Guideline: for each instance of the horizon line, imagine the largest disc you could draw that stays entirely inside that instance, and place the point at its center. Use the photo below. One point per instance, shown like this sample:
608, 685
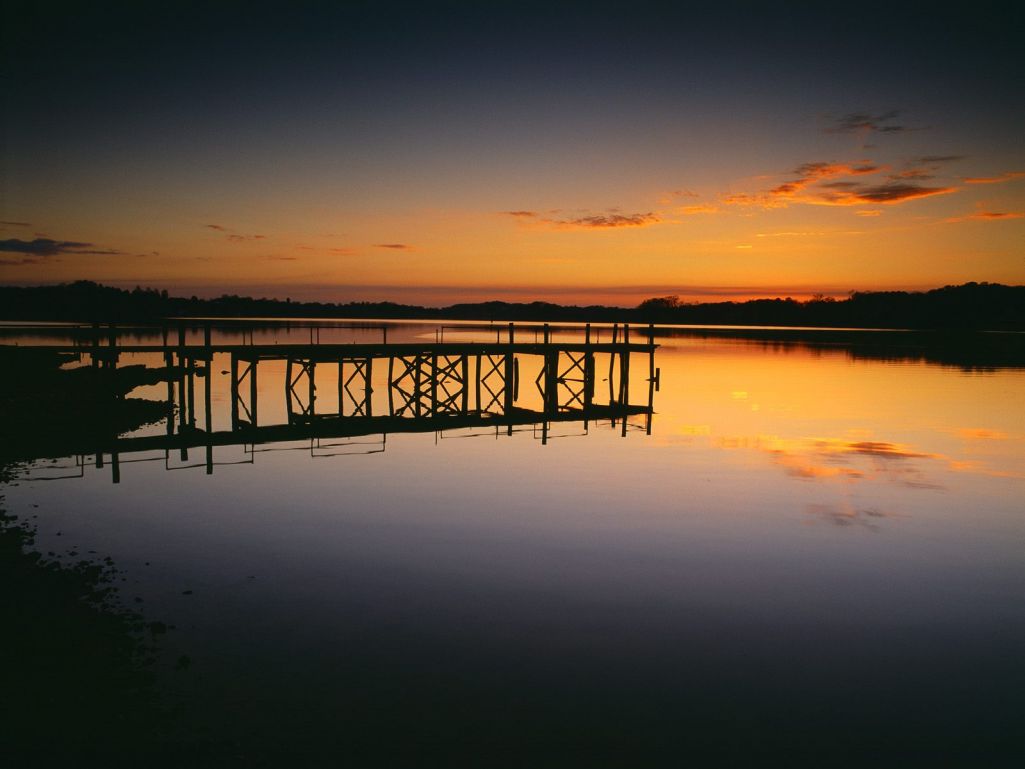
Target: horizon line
452, 295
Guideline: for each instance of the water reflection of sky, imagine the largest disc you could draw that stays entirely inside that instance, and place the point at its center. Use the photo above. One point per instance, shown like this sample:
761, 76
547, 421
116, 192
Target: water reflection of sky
799, 528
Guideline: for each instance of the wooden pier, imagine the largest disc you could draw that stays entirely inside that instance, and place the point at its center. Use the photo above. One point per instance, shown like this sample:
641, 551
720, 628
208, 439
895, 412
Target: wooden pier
431, 386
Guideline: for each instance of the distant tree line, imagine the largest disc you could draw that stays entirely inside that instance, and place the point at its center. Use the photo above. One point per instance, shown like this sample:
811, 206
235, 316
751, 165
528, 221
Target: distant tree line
989, 306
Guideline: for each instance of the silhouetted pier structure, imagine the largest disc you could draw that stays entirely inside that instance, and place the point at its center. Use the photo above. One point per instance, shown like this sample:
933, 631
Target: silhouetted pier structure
431, 386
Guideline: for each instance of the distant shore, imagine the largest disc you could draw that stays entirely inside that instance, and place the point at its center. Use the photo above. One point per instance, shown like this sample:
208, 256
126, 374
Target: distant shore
971, 306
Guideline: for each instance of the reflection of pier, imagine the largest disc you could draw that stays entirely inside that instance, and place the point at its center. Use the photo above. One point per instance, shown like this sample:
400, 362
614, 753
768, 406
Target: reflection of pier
430, 387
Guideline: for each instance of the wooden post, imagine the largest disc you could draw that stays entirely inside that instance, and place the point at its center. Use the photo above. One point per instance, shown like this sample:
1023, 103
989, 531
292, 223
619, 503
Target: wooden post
234, 391
288, 388
169, 365
434, 385
612, 362
115, 467
624, 366
368, 387
252, 390
551, 381
512, 334
208, 419
182, 416
477, 385
310, 374
651, 352
341, 386
96, 346
192, 392
625, 386
509, 374
391, 395
466, 384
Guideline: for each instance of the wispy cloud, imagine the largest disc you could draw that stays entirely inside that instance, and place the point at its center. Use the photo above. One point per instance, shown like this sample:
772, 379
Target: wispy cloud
16, 224
699, 209
807, 233
982, 434
866, 122
522, 214
341, 251
1005, 177
394, 246
48, 247
232, 236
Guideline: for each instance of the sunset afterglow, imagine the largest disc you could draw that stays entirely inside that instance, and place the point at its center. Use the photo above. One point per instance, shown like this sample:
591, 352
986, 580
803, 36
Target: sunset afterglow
457, 154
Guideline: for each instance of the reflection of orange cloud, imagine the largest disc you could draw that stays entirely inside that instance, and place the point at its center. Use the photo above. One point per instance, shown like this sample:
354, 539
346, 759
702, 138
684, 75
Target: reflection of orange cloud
695, 429
844, 514
828, 458
875, 449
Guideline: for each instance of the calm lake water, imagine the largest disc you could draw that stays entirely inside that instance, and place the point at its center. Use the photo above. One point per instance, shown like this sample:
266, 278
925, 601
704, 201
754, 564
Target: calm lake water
816, 556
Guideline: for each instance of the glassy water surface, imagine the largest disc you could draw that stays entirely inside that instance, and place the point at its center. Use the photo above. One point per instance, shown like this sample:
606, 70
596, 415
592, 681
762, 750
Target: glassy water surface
813, 552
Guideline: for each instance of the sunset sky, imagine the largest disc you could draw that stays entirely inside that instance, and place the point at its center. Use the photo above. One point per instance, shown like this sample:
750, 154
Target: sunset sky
585, 153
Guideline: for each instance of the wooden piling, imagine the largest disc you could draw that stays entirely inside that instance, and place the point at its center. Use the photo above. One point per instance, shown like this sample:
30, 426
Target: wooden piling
208, 418
252, 391
368, 387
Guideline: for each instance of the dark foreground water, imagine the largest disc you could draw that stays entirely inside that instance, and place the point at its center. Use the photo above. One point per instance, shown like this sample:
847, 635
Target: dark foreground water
816, 558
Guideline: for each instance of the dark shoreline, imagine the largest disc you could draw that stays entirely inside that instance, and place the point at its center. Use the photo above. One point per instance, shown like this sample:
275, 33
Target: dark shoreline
971, 306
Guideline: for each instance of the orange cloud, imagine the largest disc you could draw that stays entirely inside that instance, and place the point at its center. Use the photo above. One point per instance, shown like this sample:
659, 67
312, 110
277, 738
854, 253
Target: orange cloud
982, 434
986, 216
394, 246
591, 221
1005, 177
701, 209
824, 184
